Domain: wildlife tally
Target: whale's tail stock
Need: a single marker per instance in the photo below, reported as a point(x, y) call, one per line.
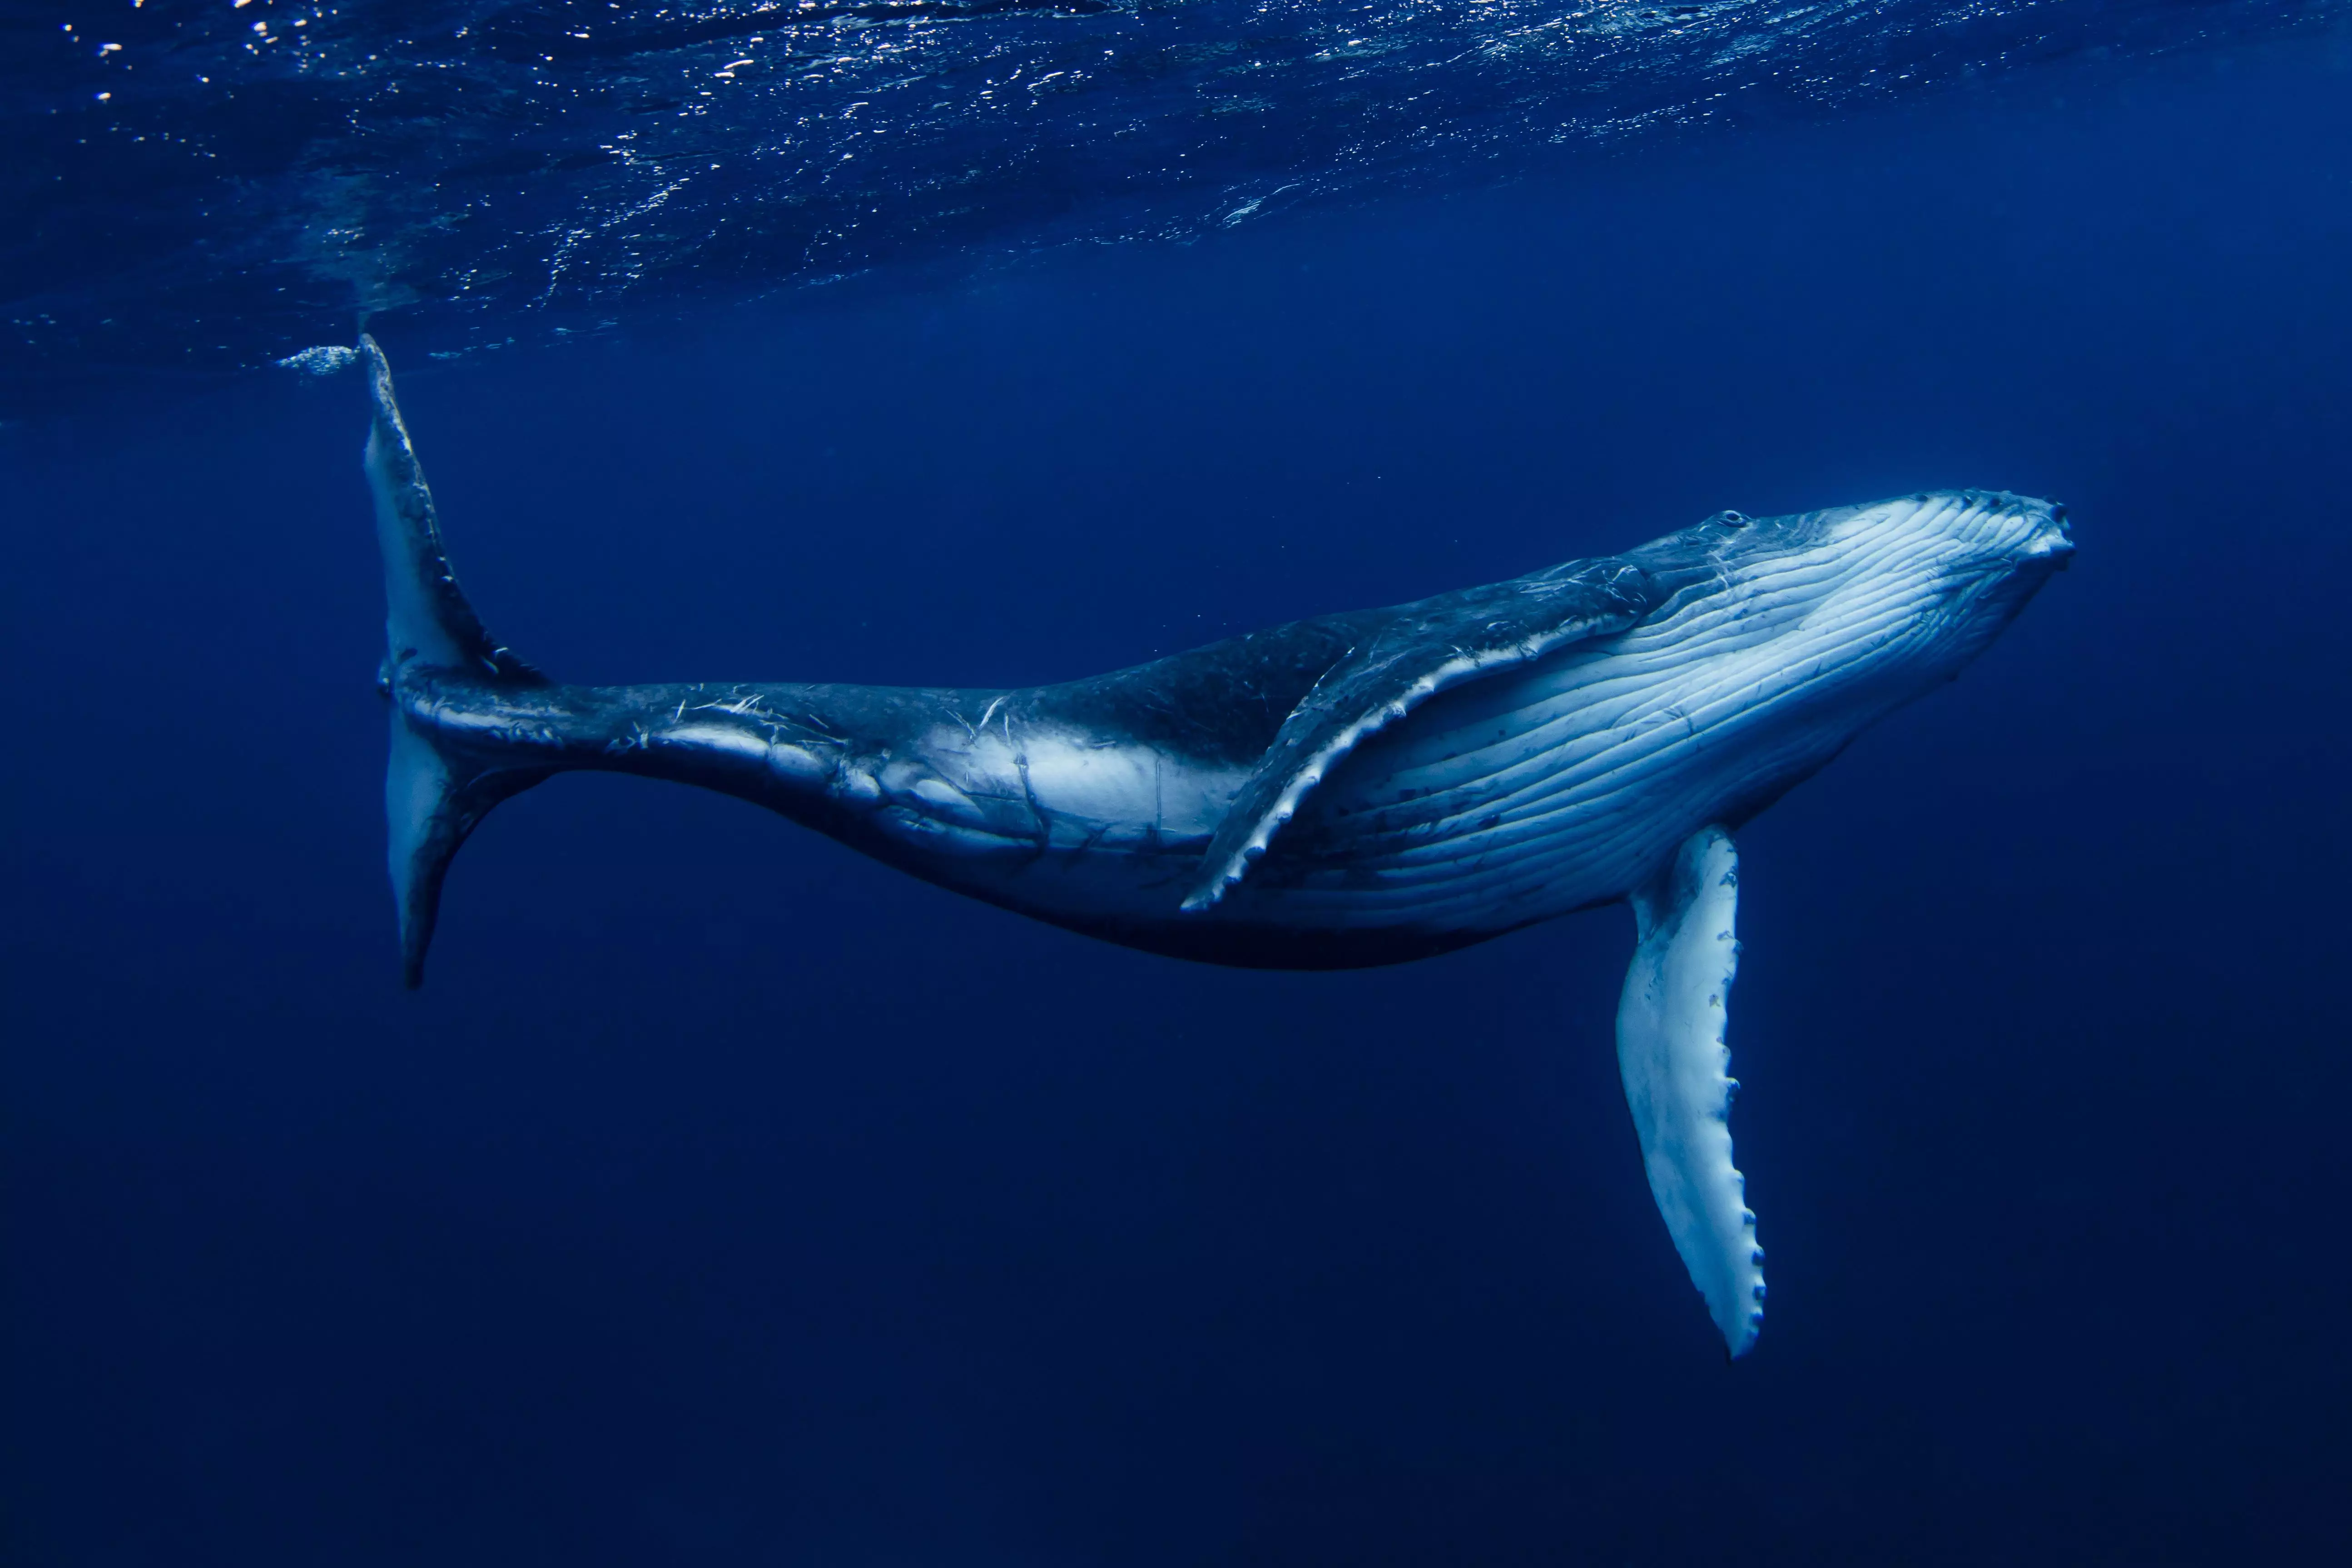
point(473, 725)
point(435, 792)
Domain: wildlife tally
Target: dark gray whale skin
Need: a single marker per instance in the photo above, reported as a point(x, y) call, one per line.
point(1348, 790)
point(1214, 710)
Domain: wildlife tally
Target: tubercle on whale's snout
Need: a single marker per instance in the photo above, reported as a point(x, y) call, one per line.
point(2060, 540)
point(2025, 533)
point(2051, 546)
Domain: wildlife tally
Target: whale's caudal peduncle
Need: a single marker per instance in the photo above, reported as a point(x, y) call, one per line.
point(1350, 790)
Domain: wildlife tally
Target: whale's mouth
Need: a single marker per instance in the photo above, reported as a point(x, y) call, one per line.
point(1993, 537)
point(2052, 544)
point(2046, 552)
point(2030, 543)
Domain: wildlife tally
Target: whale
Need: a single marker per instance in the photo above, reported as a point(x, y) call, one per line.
point(1350, 790)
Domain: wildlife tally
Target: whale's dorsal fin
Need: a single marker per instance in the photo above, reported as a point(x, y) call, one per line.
point(1671, 1055)
point(1422, 649)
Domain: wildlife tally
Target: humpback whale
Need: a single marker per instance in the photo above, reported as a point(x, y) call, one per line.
point(1350, 790)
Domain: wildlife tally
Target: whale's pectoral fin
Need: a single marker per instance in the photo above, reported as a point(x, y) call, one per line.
point(1671, 1054)
point(1427, 647)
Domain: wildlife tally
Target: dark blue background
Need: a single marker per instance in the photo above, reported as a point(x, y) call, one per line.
point(726, 1198)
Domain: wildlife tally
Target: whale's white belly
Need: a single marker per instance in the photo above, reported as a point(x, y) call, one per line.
point(1502, 801)
point(1562, 785)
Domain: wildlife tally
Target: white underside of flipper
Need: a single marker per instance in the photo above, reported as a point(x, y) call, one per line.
point(1671, 1054)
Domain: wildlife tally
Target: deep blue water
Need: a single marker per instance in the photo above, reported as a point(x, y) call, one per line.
point(727, 1198)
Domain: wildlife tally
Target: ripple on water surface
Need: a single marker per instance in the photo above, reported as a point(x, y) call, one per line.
point(211, 184)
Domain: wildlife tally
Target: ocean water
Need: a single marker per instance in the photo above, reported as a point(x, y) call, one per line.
point(727, 1198)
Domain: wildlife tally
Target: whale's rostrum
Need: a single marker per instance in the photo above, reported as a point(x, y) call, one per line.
point(1345, 791)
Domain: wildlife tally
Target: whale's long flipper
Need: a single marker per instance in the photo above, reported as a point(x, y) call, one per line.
point(1429, 647)
point(1671, 1054)
point(432, 797)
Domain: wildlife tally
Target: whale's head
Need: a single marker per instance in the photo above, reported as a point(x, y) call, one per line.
point(1923, 582)
point(1989, 549)
point(1816, 624)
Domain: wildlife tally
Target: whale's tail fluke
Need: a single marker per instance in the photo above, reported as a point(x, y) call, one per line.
point(433, 796)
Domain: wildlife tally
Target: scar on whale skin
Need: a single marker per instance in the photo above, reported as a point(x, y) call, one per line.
point(1350, 790)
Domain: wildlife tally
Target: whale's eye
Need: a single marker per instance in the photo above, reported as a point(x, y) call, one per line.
point(1731, 519)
